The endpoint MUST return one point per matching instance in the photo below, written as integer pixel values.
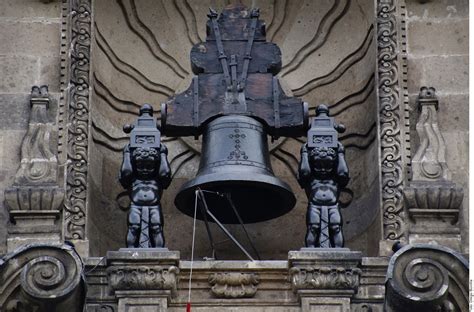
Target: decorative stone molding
(34, 201)
(42, 277)
(139, 277)
(432, 200)
(391, 93)
(325, 278)
(429, 161)
(78, 119)
(143, 277)
(425, 277)
(233, 284)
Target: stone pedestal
(325, 279)
(143, 280)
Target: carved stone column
(426, 277)
(35, 199)
(42, 278)
(325, 279)
(432, 199)
(143, 280)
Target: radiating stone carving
(34, 201)
(143, 277)
(427, 278)
(328, 57)
(433, 201)
(41, 278)
(324, 278)
(429, 161)
(233, 284)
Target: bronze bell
(235, 100)
(235, 160)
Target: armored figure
(145, 173)
(323, 173)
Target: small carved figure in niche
(145, 173)
(323, 173)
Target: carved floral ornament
(234, 284)
(309, 277)
(143, 278)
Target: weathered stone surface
(427, 278)
(14, 9)
(444, 9)
(42, 277)
(19, 73)
(424, 37)
(23, 38)
(15, 111)
(448, 74)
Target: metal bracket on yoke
(206, 212)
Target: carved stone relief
(325, 278)
(142, 277)
(393, 126)
(35, 199)
(233, 284)
(432, 199)
(42, 277)
(425, 277)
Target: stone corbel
(433, 201)
(424, 277)
(35, 199)
(42, 278)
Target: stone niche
(140, 54)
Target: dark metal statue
(145, 173)
(323, 173)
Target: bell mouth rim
(186, 194)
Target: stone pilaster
(143, 280)
(325, 279)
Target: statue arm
(304, 171)
(165, 170)
(342, 169)
(126, 171)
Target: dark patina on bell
(235, 160)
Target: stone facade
(366, 59)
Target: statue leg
(156, 227)
(335, 227)
(313, 224)
(133, 233)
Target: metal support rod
(231, 203)
(222, 227)
(208, 229)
